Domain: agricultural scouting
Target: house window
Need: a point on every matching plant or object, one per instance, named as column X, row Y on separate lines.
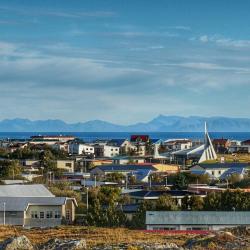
column 49, row 214
column 219, row 172
column 212, row 172
column 68, row 165
column 68, row 215
column 41, row 215
column 34, row 215
column 57, row 214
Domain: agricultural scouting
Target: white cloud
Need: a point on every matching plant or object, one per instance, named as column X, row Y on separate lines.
column 204, row 38
column 226, row 42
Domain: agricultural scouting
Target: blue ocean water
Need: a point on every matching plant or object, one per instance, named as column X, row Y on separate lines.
column 90, row 136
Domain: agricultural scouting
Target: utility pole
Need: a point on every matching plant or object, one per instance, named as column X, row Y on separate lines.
column 166, row 181
column 95, row 181
column 4, row 213
column 87, row 199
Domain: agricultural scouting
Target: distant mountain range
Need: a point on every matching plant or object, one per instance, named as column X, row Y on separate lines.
column 159, row 124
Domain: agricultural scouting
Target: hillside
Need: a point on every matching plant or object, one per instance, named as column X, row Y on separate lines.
column 159, row 124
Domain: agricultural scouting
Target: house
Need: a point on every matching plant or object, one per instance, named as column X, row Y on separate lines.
column 243, row 147
column 239, row 149
column 245, row 143
column 34, row 190
column 123, row 169
column 67, row 165
column 153, row 195
column 79, row 148
column 139, row 138
column 34, row 206
column 197, row 188
column 128, row 159
column 123, row 144
column 104, row 150
column 178, row 144
column 221, row 145
column 64, row 146
column 220, row 170
column 196, row 220
column 12, row 147
column 202, row 153
column 29, row 163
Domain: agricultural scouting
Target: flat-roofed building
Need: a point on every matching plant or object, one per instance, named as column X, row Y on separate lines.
column 196, row 220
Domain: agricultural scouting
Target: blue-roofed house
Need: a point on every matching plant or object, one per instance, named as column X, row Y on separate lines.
column 120, row 168
column 220, row 170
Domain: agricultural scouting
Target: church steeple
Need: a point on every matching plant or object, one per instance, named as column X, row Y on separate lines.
column 209, row 152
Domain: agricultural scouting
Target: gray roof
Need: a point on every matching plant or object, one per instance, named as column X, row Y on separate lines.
column 197, row 218
column 36, row 190
column 21, row 203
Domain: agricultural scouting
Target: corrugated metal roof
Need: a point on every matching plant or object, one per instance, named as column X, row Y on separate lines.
column 21, row 203
column 197, row 218
column 224, row 165
column 126, row 167
column 35, row 190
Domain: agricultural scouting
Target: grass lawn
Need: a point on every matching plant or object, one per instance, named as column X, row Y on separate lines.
column 94, row 236
column 244, row 158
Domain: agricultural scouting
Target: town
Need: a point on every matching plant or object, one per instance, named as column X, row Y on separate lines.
column 139, row 182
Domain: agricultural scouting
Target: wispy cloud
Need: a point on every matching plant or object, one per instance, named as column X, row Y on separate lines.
column 227, row 42
column 185, row 28
column 207, row 66
column 57, row 13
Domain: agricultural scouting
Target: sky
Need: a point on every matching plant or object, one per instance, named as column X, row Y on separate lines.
column 124, row 61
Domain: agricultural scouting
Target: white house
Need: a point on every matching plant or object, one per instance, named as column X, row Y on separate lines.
column 220, row 170
column 106, row 150
column 178, row 144
column 81, row 148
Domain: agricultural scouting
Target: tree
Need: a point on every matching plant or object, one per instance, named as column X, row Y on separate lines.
column 166, row 203
column 105, row 216
column 115, row 177
column 139, row 218
column 234, row 178
column 212, row 202
column 196, row 203
column 10, row 169
column 180, row 181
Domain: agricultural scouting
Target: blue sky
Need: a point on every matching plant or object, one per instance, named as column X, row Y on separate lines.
column 124, row 61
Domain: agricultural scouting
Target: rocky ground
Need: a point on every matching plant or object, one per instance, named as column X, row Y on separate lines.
column 76, row 238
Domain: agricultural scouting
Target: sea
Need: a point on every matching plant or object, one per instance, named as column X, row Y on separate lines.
column 91, row 136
